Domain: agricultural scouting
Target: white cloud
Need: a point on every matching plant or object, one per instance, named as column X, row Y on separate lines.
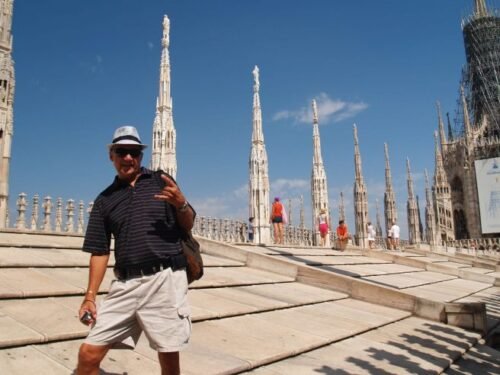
column 283, row 184
column 329, row 110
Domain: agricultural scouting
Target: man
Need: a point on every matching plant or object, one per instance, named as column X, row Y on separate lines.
column 395, row 235
column 146, row 214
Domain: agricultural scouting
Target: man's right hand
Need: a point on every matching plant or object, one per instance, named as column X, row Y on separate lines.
column 88, row 305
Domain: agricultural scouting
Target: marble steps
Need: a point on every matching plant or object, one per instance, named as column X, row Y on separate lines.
column 408, row 346
column 37, row 320
column 44, row 257
column 455, row 266
column 228, row 345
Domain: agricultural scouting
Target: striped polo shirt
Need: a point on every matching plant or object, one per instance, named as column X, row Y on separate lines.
column 145, row 229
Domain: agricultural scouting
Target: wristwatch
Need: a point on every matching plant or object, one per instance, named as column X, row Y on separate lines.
column 184, row 207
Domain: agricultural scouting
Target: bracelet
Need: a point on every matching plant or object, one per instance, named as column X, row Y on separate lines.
column 88, row 300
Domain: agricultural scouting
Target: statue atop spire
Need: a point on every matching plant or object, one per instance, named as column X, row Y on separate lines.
column 319, row 183
column 163, row 150
column 256, row 83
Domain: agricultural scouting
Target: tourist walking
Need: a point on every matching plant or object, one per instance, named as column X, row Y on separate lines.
column 250, row 229
column 323, row 226
column 147, row 214
column 389, row 239
column 395, row 235
column 342, row 235
column 370, row 231
column 278, row 217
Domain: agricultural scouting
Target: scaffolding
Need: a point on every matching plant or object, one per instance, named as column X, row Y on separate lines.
column 481, row 75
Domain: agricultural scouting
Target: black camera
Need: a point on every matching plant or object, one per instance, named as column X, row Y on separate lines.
column 86, row 318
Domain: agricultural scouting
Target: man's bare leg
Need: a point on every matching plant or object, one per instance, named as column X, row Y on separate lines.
column 169, row 363
column 90, row 357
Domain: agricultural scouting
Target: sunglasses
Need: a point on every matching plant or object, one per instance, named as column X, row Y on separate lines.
column 122, row 152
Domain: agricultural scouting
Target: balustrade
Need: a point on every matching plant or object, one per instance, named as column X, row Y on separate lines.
column 61, row 218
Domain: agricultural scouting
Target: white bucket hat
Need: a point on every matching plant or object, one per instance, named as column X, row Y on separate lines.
column 126, row 135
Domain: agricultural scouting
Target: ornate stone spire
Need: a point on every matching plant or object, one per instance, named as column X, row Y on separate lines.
column 302, row 221
column 378, row 228
column 163, row 149
column 442, row 198
column 430, row 217
column 259, row 177
column 467, row 125
column 319, row 185
column 390, row 208
column 7, row 87
column 412, row 209
column 480, row 9
column 442, row 136
column 360, row 196
column 450, row 131
column 341, row 207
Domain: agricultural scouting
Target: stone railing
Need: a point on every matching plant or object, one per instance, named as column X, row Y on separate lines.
column 225, row 230
column 71, row 217
column 49, row 216
column 229, row 230
column 477, row 246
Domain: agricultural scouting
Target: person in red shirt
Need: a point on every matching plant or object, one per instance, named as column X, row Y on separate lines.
column 277, row 218
column 342, row 235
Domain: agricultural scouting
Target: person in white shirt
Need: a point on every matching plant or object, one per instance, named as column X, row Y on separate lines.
column 370, row 231
column 395, row 235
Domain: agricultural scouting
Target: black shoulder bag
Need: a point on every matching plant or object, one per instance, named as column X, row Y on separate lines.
column 190, row 247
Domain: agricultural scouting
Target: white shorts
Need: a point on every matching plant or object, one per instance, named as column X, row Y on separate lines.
column 156, row 304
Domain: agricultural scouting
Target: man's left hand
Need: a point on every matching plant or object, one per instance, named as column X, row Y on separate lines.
column 171, row 193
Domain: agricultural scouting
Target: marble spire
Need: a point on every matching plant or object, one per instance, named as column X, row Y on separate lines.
column 442, row 136
column 360, row 196
column 390, row 208
column 163, row 148
column 442, row 197
column 378, row 227
column 450, row 130
column 341, row 207
column 319, row 185
column 412, row 209
column 259, row 176
column 480, row 9
column 7, row 88
column 430, row 217
column 467, row 125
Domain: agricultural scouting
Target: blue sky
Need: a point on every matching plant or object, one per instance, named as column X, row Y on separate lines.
column 84, row 68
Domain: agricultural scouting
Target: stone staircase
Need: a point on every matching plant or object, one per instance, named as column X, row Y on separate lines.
column 255, row 310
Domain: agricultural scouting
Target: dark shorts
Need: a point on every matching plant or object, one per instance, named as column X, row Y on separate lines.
column 277, row 219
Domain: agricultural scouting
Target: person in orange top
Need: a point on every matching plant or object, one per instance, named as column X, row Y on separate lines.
column 277, row 218
column 342, row 235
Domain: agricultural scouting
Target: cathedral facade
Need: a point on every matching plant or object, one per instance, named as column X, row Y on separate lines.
column 477, row 134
